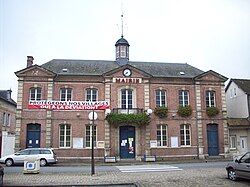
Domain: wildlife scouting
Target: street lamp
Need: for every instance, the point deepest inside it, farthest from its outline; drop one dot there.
(92, 117)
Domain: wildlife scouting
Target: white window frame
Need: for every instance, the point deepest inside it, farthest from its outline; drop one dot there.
(182, 94)
(126, 99)
(37, 92)
(66, 94)
(210, 98)
(160, 143)
(233, 142)
(88, 138)
(92, 90)
(162, 98)
(65, 126)
(186, 127)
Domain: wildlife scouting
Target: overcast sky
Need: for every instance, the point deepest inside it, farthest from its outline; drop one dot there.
(207, 34)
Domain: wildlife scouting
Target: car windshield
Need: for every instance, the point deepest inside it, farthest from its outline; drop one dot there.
(246, 158)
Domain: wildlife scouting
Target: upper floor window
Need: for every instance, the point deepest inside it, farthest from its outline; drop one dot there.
(162, 135)
(65, 135)
(126, 98)
(183, 98)
(90, 130)
(8, 120)
(210, 99)
(160, 98)
(35, 94)
(235, 92)
(91, 94)
(185, 133)
(65, 94)
(4, 119)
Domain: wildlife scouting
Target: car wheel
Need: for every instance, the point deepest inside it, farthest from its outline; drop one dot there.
(43, 162)
(9, 162)
(231, 174)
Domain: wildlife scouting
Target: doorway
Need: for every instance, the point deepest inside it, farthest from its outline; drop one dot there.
(33, 135)
(243, 144)
(127, 142)
(212, 139)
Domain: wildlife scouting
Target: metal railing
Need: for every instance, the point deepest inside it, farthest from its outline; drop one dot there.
(127, 110)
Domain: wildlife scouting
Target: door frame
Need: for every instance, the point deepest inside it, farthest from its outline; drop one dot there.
(212, 139)
(243, 144)
(34, 135)
(127, 142)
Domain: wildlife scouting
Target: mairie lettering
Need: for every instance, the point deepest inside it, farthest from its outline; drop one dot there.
(127, 80)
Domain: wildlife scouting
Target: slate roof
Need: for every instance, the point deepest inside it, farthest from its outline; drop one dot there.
(122, 41)
(244, 84)
(99, 67)
(4, 96)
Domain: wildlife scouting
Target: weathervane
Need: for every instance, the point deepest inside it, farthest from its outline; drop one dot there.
(122, 20)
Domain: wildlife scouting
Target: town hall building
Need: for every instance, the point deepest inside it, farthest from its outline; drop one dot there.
(140, 109)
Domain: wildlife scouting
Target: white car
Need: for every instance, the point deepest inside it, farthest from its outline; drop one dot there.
(45, 155)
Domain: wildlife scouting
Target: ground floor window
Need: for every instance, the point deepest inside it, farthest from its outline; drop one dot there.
(89, 130)
(162, 135)
(65, 135)
(232, 141)
(185, 133)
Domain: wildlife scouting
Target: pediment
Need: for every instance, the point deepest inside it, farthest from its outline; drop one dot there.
(134, 72)
(211, 76)
(35, 71)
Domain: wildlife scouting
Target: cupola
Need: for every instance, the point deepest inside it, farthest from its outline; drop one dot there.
(122, 51)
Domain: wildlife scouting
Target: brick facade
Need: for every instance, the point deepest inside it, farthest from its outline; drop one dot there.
(144, 97)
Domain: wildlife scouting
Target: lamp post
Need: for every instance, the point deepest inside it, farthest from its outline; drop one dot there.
(92, 117)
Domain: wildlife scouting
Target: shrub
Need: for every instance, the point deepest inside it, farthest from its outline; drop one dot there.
(185, 111)
(212, 111)
(161, 111)
(117, 119)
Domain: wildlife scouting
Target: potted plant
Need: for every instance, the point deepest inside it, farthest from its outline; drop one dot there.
(212, 111)
(185, 111)
(161, 111)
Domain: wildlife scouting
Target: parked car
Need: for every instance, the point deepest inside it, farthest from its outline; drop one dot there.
(239, 168)
(45, 155)
(1, 175)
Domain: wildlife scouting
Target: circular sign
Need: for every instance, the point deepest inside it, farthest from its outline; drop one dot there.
(92, 116)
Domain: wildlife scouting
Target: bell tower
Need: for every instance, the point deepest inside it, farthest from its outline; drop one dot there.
(122, 48)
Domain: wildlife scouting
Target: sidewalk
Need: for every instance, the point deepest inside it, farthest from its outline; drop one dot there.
(215, 177)
(72, 162)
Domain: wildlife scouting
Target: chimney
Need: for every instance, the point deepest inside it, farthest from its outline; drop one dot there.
(9, 94)
(29, 61)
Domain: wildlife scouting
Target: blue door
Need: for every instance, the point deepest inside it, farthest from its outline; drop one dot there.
(33, 135)
(127, 142)
(212, 139)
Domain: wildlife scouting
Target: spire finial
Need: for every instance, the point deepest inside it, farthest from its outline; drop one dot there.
(122, 21)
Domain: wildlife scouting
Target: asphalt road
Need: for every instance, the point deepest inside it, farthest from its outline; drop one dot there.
(106, 168)
(210, 174)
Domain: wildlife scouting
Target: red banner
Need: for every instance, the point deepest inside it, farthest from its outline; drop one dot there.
(69, 105)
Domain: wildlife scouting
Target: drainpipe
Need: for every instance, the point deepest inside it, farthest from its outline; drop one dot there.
(196, 120)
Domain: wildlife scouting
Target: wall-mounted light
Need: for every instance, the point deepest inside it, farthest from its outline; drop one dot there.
(149, 111)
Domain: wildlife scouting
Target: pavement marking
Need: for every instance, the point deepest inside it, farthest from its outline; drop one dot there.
(147, 168)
